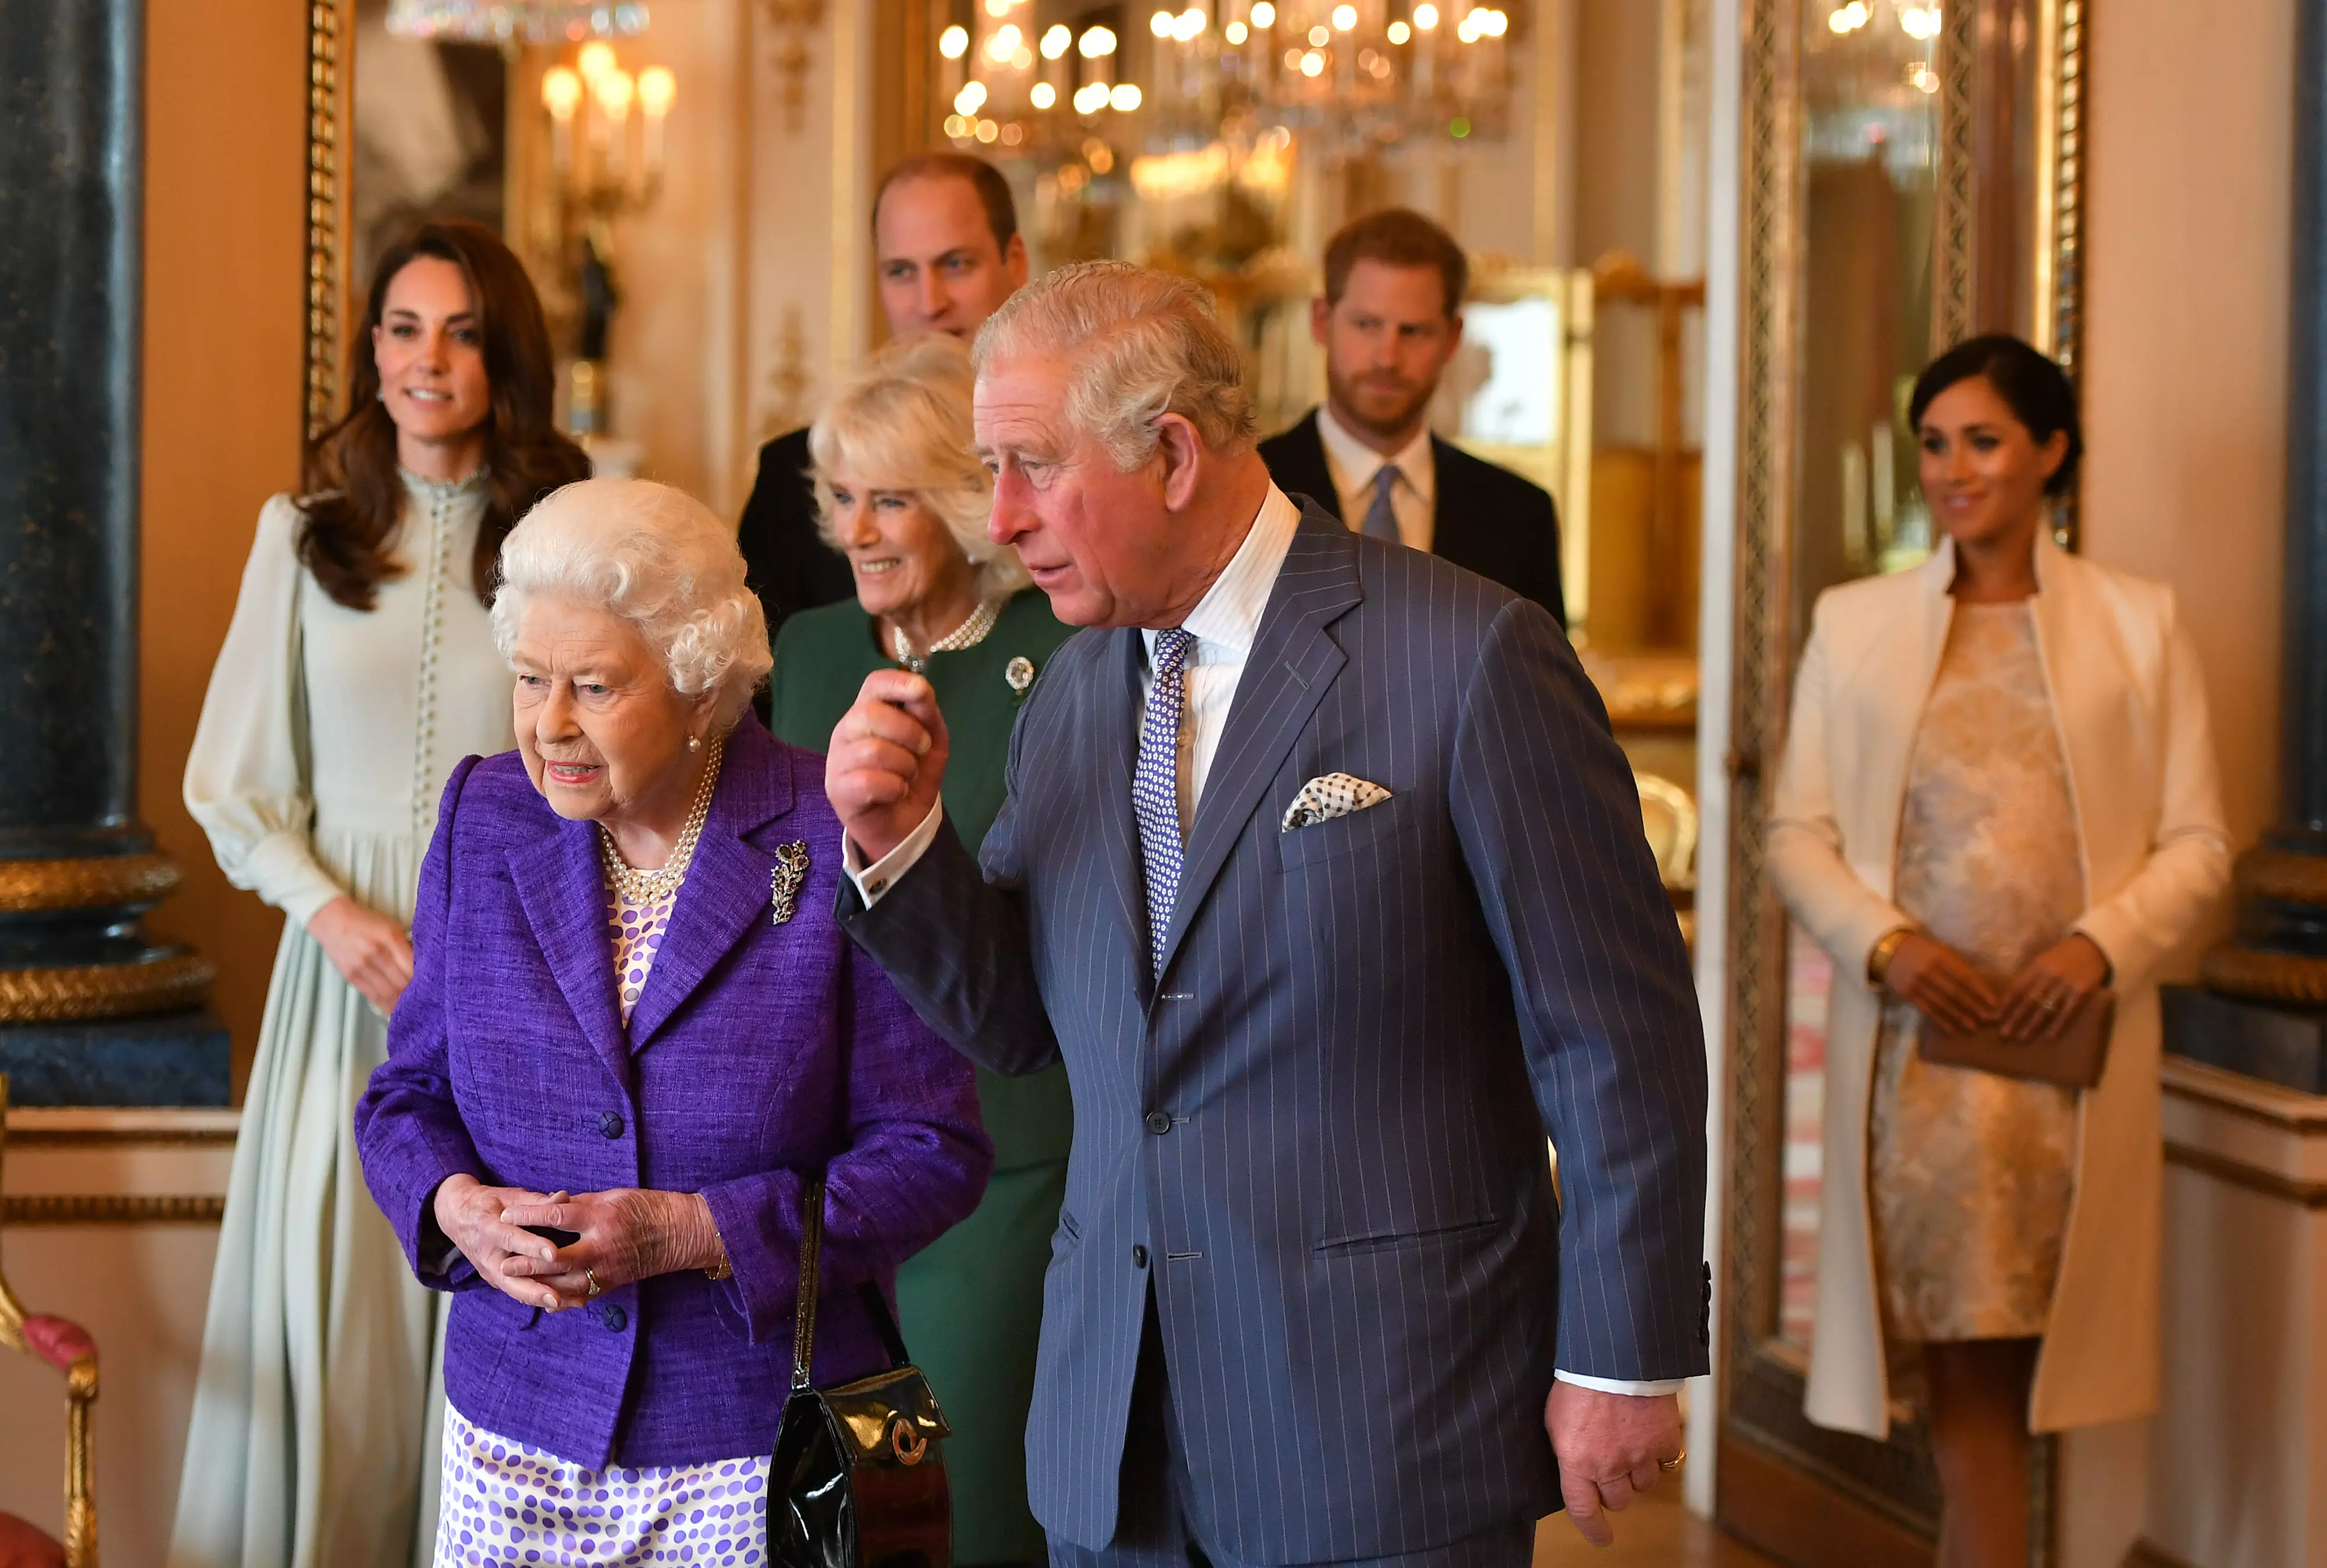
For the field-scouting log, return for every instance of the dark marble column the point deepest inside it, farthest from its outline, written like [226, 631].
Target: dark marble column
[91, 1011]
[2265, 1008]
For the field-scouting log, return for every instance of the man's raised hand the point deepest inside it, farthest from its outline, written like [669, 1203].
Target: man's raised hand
[888, 758]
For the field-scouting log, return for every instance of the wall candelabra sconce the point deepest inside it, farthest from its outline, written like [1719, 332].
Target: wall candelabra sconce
[606, 159]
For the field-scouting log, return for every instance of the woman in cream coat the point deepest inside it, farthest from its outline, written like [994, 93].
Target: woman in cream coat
[1999, 795]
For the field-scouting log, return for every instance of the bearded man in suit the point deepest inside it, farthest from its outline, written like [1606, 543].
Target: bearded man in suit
[1391, 320]
[947, 252]
[1321, 871]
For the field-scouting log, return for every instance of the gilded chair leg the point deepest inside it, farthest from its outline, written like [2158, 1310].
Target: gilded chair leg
[81, 1505]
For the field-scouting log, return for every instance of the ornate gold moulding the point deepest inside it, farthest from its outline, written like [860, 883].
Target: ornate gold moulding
[164, 984]
[28, 885]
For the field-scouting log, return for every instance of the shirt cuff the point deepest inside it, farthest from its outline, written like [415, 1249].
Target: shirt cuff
[1621, 1385]
[873, 881]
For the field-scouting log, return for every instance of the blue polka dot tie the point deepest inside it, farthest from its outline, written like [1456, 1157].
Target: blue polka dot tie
[1381, 517]
[1155, 785]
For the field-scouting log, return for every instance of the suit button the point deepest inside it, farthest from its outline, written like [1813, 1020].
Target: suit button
[610, 1124]
[1139, 1256]
[614, 1317]
[1159, 1121]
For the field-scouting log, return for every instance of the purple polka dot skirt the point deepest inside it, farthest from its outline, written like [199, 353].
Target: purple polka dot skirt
[509, 1503]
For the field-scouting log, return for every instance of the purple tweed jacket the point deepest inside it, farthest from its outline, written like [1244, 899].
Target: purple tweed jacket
[756, 1053]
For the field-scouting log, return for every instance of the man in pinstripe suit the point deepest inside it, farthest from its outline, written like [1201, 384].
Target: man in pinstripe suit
[1321, 871]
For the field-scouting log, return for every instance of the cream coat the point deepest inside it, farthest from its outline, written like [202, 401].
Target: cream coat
[2132, 714]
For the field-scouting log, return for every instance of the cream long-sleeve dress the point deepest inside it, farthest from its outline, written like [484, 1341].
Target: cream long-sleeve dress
[324, 742]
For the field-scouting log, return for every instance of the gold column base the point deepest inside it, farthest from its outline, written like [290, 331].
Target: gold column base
[89, 991]
[99, 882]
[2265, 976]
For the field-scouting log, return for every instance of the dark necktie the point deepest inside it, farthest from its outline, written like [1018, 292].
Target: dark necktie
[1381, 517]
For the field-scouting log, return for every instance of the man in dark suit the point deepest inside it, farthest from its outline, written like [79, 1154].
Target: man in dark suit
[1389, 323]
[947, 252]
[1321, 871]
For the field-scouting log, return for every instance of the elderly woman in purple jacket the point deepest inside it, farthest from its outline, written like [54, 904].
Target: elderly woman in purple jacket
[633, 1026]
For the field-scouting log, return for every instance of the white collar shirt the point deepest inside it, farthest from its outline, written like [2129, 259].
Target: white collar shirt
[1224, 623]
[1352, 464]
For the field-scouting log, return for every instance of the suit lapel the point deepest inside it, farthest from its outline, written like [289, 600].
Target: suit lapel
[1115, 727]
[727, 885]
[564, 895]
[1293, 661]
[1301, 468]
[1451, 516]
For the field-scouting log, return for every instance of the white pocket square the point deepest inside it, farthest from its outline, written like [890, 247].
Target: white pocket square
[1328, 796]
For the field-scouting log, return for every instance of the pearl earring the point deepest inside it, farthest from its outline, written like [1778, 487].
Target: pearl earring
[695, 742]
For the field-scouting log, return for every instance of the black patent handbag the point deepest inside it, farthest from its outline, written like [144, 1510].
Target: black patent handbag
[859, 1476]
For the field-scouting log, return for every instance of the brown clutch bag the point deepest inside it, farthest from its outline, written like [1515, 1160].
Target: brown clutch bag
[2072, 1059]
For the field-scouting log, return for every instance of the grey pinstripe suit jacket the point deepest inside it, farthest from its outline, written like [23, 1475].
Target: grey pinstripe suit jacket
[1364, 1030]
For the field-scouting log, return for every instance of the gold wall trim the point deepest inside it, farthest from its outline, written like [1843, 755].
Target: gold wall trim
[110, 1208]
[104, 883]
[1955, 266]
[331, 86]
[2254, 1179]
[105, 990]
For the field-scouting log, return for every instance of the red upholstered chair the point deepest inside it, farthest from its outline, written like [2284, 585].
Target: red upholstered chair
[68, 1348]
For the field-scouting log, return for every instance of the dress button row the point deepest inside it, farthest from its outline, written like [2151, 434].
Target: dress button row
[614, 1317]
[610, 1124]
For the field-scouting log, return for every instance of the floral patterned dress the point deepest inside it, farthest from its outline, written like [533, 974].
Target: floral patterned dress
[1972, 1173]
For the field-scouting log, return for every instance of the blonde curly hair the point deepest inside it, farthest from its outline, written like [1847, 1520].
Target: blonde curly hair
[903, 423]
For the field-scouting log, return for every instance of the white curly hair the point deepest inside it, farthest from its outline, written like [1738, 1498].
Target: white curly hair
[1140, 344]
[657, 559]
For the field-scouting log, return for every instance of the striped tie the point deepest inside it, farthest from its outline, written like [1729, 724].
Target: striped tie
[1155, 785]
[1381, 517]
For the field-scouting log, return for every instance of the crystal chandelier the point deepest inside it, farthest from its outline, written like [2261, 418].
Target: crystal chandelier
[523, 20]
[1352, 72]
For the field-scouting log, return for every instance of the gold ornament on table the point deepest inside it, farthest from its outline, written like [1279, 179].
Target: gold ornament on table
[654, 887]
[785, 882]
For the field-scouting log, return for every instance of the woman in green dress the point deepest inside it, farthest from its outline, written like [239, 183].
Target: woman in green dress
[901, 495]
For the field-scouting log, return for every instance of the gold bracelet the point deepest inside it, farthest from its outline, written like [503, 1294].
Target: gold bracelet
[1878, 962]
[721, 1269]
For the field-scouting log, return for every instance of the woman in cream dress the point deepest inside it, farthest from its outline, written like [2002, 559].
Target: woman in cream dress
[360, 667]
[1999, 796]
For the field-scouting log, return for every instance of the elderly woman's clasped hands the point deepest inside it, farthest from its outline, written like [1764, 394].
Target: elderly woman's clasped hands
[624, 1235]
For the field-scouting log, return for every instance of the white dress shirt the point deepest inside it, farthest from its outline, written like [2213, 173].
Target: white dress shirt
[1225, 622]
[1352, 464]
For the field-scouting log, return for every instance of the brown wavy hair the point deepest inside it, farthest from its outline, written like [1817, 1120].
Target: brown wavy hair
[354, 496]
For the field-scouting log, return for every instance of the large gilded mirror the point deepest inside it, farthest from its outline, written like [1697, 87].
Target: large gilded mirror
[1910, 175]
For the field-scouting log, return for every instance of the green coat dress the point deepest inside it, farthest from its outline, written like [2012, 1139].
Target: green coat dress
[972, 1304]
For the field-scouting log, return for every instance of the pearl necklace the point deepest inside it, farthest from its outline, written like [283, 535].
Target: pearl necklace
[654, 887]
[968, 634]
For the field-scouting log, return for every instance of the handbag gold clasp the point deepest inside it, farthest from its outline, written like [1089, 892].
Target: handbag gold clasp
[908, 1443]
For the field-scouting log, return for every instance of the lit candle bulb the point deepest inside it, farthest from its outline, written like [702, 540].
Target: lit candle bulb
[615, 90]
[561, 95]
[658, 90]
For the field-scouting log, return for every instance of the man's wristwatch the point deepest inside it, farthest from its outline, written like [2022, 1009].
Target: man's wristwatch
[1878, 962]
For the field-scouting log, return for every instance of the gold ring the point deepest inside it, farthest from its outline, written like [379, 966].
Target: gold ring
[1674, 1463]
[2050, 1004]
[592, 1276]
